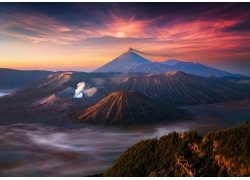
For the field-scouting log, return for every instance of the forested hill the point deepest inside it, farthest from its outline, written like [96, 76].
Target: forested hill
[221, 153]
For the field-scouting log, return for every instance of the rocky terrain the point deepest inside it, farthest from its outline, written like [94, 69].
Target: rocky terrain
[56, 92]
[178, 88]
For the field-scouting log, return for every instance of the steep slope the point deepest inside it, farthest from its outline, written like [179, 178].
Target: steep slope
[221, 153]
[12, 79]
[153, 67]
[123, 63]
[127, 108]
[197, 69]
[179, 88]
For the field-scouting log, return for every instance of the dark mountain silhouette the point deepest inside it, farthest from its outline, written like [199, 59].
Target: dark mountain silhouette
[221, 153]
[127, 108]
[123, 63]
[12, 79]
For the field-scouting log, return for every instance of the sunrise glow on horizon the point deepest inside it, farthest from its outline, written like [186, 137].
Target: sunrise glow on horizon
[85, 36]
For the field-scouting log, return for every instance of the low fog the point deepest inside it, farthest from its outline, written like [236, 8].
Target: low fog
[81, 149]
[3, 94]
[35, 150]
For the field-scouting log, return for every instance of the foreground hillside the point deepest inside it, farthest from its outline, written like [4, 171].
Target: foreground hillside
[221, 153]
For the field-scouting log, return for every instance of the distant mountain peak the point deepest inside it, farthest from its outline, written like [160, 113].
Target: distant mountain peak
[130, 49]
[129, 54]
[124, 62]
[130, 61]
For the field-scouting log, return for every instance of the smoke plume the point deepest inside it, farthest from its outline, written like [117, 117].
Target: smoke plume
[84, 90]
[148, 54]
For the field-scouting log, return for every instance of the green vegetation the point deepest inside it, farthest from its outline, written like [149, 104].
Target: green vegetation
[221, 153]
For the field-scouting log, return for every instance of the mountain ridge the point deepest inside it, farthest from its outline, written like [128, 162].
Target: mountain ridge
[179, 88]
[132, 62]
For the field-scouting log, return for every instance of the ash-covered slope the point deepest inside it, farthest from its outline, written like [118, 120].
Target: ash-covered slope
[123, 63]
[127, 108]
[178, 88]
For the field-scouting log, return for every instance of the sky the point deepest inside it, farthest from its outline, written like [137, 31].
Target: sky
[84, 36]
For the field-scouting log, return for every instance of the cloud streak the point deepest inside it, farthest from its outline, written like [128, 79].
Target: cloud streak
[46, 29]
[160, 30]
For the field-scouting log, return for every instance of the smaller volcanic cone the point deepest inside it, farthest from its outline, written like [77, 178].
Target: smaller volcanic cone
[127, 108]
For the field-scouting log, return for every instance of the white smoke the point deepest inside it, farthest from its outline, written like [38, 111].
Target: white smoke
[83, 89]
[90, 92]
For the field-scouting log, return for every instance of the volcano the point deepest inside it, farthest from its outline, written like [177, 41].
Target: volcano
[123, 63]
[127, 108]
[131, 61]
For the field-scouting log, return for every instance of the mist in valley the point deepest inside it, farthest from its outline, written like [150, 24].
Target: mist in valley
[73, 149]
[82, 149]
[40, 150]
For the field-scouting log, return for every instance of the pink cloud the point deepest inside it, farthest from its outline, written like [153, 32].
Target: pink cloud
[177, 33]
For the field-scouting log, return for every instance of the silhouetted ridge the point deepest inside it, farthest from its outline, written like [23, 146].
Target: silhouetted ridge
[12, 78]
[127, 108]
